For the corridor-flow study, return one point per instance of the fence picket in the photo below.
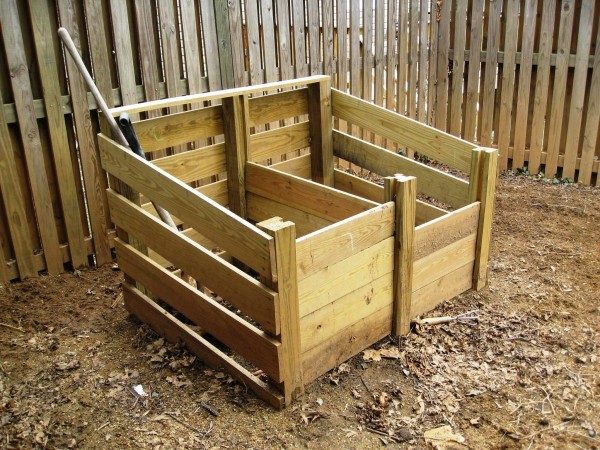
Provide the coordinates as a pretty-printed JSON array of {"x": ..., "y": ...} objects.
[
  {"x": 489, "y": 80},
  {"x": 458, "y": 67}
]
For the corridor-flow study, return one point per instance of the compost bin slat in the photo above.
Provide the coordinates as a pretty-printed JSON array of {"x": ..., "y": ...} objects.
[
  {"x": 195, "y": 164},
  {"x": 272, "y": 143}
]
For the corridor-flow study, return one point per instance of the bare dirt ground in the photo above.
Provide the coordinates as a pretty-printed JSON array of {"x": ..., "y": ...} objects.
[{"x": 526, "y": 376}]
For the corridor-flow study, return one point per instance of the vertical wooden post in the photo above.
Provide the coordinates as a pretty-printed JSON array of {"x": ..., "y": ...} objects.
[
  {"x": 403, "y": 191},
  {"x": 221, "y": 15},
  {"x": 286, "y": 285},
  {"x": 237, "y": 141},
  {"x": 321, "y": 144},
  {"x": 484, "y": 165}
]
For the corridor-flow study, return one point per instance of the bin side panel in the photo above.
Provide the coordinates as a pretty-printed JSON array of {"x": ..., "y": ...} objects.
[
  {"x": 280, "y": 141},
  {"x": 195, "y": 164}
]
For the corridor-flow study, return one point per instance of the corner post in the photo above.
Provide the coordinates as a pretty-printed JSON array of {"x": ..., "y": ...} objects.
[
  {"x": 321, "y": 143},
  {"x": 403, "y": 191},
  {"x": 482, "y": 188},
  {"x": 237, "y": 141},
  {"x": 286, "y": 285}
]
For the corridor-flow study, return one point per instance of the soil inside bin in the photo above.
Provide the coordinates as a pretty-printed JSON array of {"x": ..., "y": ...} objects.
[{"x": 526, "y": 376}]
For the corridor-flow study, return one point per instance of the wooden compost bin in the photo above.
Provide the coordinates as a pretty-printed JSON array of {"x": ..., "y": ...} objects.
[{"x": 297, "y": 265}]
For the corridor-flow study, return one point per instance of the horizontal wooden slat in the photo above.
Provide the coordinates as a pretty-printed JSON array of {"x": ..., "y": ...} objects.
[
  {"x": 346, "y": 276},
  {"x": 195, "y": 164},
  {"x": 299, "y": 166},
  {"x": 217, "y": 95},
  {"x": 237, "y": 334},
  {"x": 305, "y": 195},
  {"x": 358, "y": 186},
  {"x": 341, "y": 240},
  {"x": 440, "y": 232},
  {"x": 180, "y": 128},
  {"x": 239, "y": 289},
  {"x": 245, "y": 242},
  {"x": 426, "y": 140},
  {"x": 435, "y": 183},
  {"x": 444, "y": 288},
  {"x": 428, "y": 269},
  {"x": 274, "y": 107},
  {"x": 176, "y": 332},
  {"x": 259, "y": 208},
  {"x": 346, "y": 343},
  {"x": 278, "y": 141},
  {"x": 324, "y": 323}
]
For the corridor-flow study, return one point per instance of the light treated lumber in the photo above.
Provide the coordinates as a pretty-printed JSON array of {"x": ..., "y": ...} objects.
[
  {"x": 327, "y": 24},
  {"x": 346, "y": 276},
  {"x": 124, "y": 52},
  {"x": 314, "y": 41},
  {"x": 30, "y": 134},
  {"x": 426, "y": 140},
  {"x": 290, "y": 358},
  {"x": 260, "y": 208},
  {"x": 195, "y": 164},
  {"x": 299, "y": 38},
  {"x": 58, "y": 134},
  {"x": 345, "y": 344},
  {"x": 254, "y": 47},
  {"x": 275, "y": 142},
  {"x": 473, "y": 79},
  {"x": 217, "y": 95},
  {"x": 283, "y": 28},
  {"x": 443, "y": 37},
  {"x": 402, "y": 190},
  {"x": 424, "y": 26},
  {"x": 342, "y": 45},
  {"x": 99, "y": 33},
  {"x": 305, "y": 195},
  {"x": 483, "y": 176},
  {"x": 270, "y": 58},
  {"x": 324, "y": 323},
  {"x": 449, "y": 258},
  {"x": 299, "y": 166},
  {"x": 488, "y": 86},
  {"x": 578, "y": 90},
  {"x": 444, "y": 288},
  {"x": 458, "y": 67},
  {"x": 251, "y": 246},
  {"x": 180, "y": 128},
  {"x": 438, "y": 233},
  {"x": 320, "y": 125},
  {"x": 238, "y": 288},
  {"x": 177, "y": 332},
  {"x": 413, "y": 74},
  {"x": 442, "y": 186},
  {"x": 391, "y": 57},
  {"x": 237, "y": 41},
  {"x": 237, "y": 334},
  {"x": 344, "y": 239},
  {"x": 211, "y": 42}
]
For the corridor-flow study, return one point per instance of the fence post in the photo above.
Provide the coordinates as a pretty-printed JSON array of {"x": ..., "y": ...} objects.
[
  {"x": 402, "y": 190},
  {"x": 321, "y": 144},
  {"x": 482, "y": 187},
  {"x": 286, "y": 286}
]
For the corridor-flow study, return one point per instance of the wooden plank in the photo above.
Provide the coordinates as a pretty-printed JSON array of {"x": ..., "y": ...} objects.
[
  {"x": 578, "y": 90},
  {"x": 260, "y": 209},
  {"x": 299, "y": 166},
  {"x": 257, "y": 75},
  {"x": 211, "y": 44},
  {"x": 90, "y": 164},
  {"x": 290, "y": 359},
  {"x": 305, "y": 195},
  {"x": 391, "y": 65},
  {"x": 424, "y": 26},
  {"x": 323, "y": 324},
  {"x": 177, "y": 129},
  {"x": 433, "y": 43},
  {"x": 320, "y": 126},
  {"x": 283, "y": 39},
  {"x": 541, "y": 86},
  {"x": 239, "y": 289},
  {"x": 299, "y": 38},
  {"x": 434, "y": 266},
  {"x": 278, "y": 141},
  {"x": 355, "y": 54},
  {"x": 237, "y": 150},
  {"x": 98, "y": 31},
  {"x": 444, "y": 288},
  {"x": 328, "y": 33},
  {"x": 234, "y": 235},
  {"x": 32, "y": 146},
  {"x": 379, "y": 62},
  {"x": 237, "y": 42},
  {"x": 402, "y": 190},
  {"x": 347, "y": 276},
  {"x": 14, "y": 204},
  {"x": 559, "y": 88},
  {"x": 488, "y": 86},
  {"x": 458, "y": 67},
  {"x": 592, "y": 123},
  {"x": 195, "y": 164},
  {"x": 124, "y": 52},
  {"x": 433, "y": 236},
  {"x": 473, "y": 78},
  {"x": 147, "y": 26},
  {"x": 63, "y": 164},
  {"x": 525, "y": 69},
  {"x": 441, "y": 105},
  {"x": 445, "y": 187},
  {"x": 314, "y": 39},
  {"x": 368, "y": 57},
  {"x": 269, "y": 40},
  {"x": 413, "y": 63},
  {"x": 344, "y": 239},
  {"x": 214, "y": 318},
  {"x": 426, "y": 140},
  {"x": 283, "y": 105},
  {"x": 347, "y": 343},
  {"x": 176, "y": 332}
]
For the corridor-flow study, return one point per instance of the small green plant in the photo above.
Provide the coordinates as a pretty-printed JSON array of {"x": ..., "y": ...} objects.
[{"x": 568, "y": 180}]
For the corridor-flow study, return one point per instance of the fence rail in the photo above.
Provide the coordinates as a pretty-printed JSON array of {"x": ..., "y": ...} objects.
[{"x": 520, "y": 75}]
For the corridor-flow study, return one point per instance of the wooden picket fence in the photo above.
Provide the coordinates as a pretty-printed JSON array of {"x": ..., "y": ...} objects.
[{"x": 520, "y": 75}]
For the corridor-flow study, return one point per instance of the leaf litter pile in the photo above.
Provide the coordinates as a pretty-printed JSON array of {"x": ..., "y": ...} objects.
[{"x": 513, "y": 366}]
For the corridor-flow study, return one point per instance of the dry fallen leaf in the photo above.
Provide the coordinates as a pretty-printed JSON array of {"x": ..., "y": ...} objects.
[{"x": 443, "y": 437}]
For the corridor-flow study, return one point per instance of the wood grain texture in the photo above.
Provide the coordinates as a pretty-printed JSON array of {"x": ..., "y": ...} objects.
[
  {"x": 278, "y": 141},
  {"x": 441, "y": 118},
  {"x": 458, "y": 68},
  {"x": 298, "y": 166},
  {"x": 320, "y": 127},
  {"x": 282, "y": 105},
  {"x": 195, "y": 164},
  {"x": 488, "y": 86},
  {"x": 237, "y": 150}
]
